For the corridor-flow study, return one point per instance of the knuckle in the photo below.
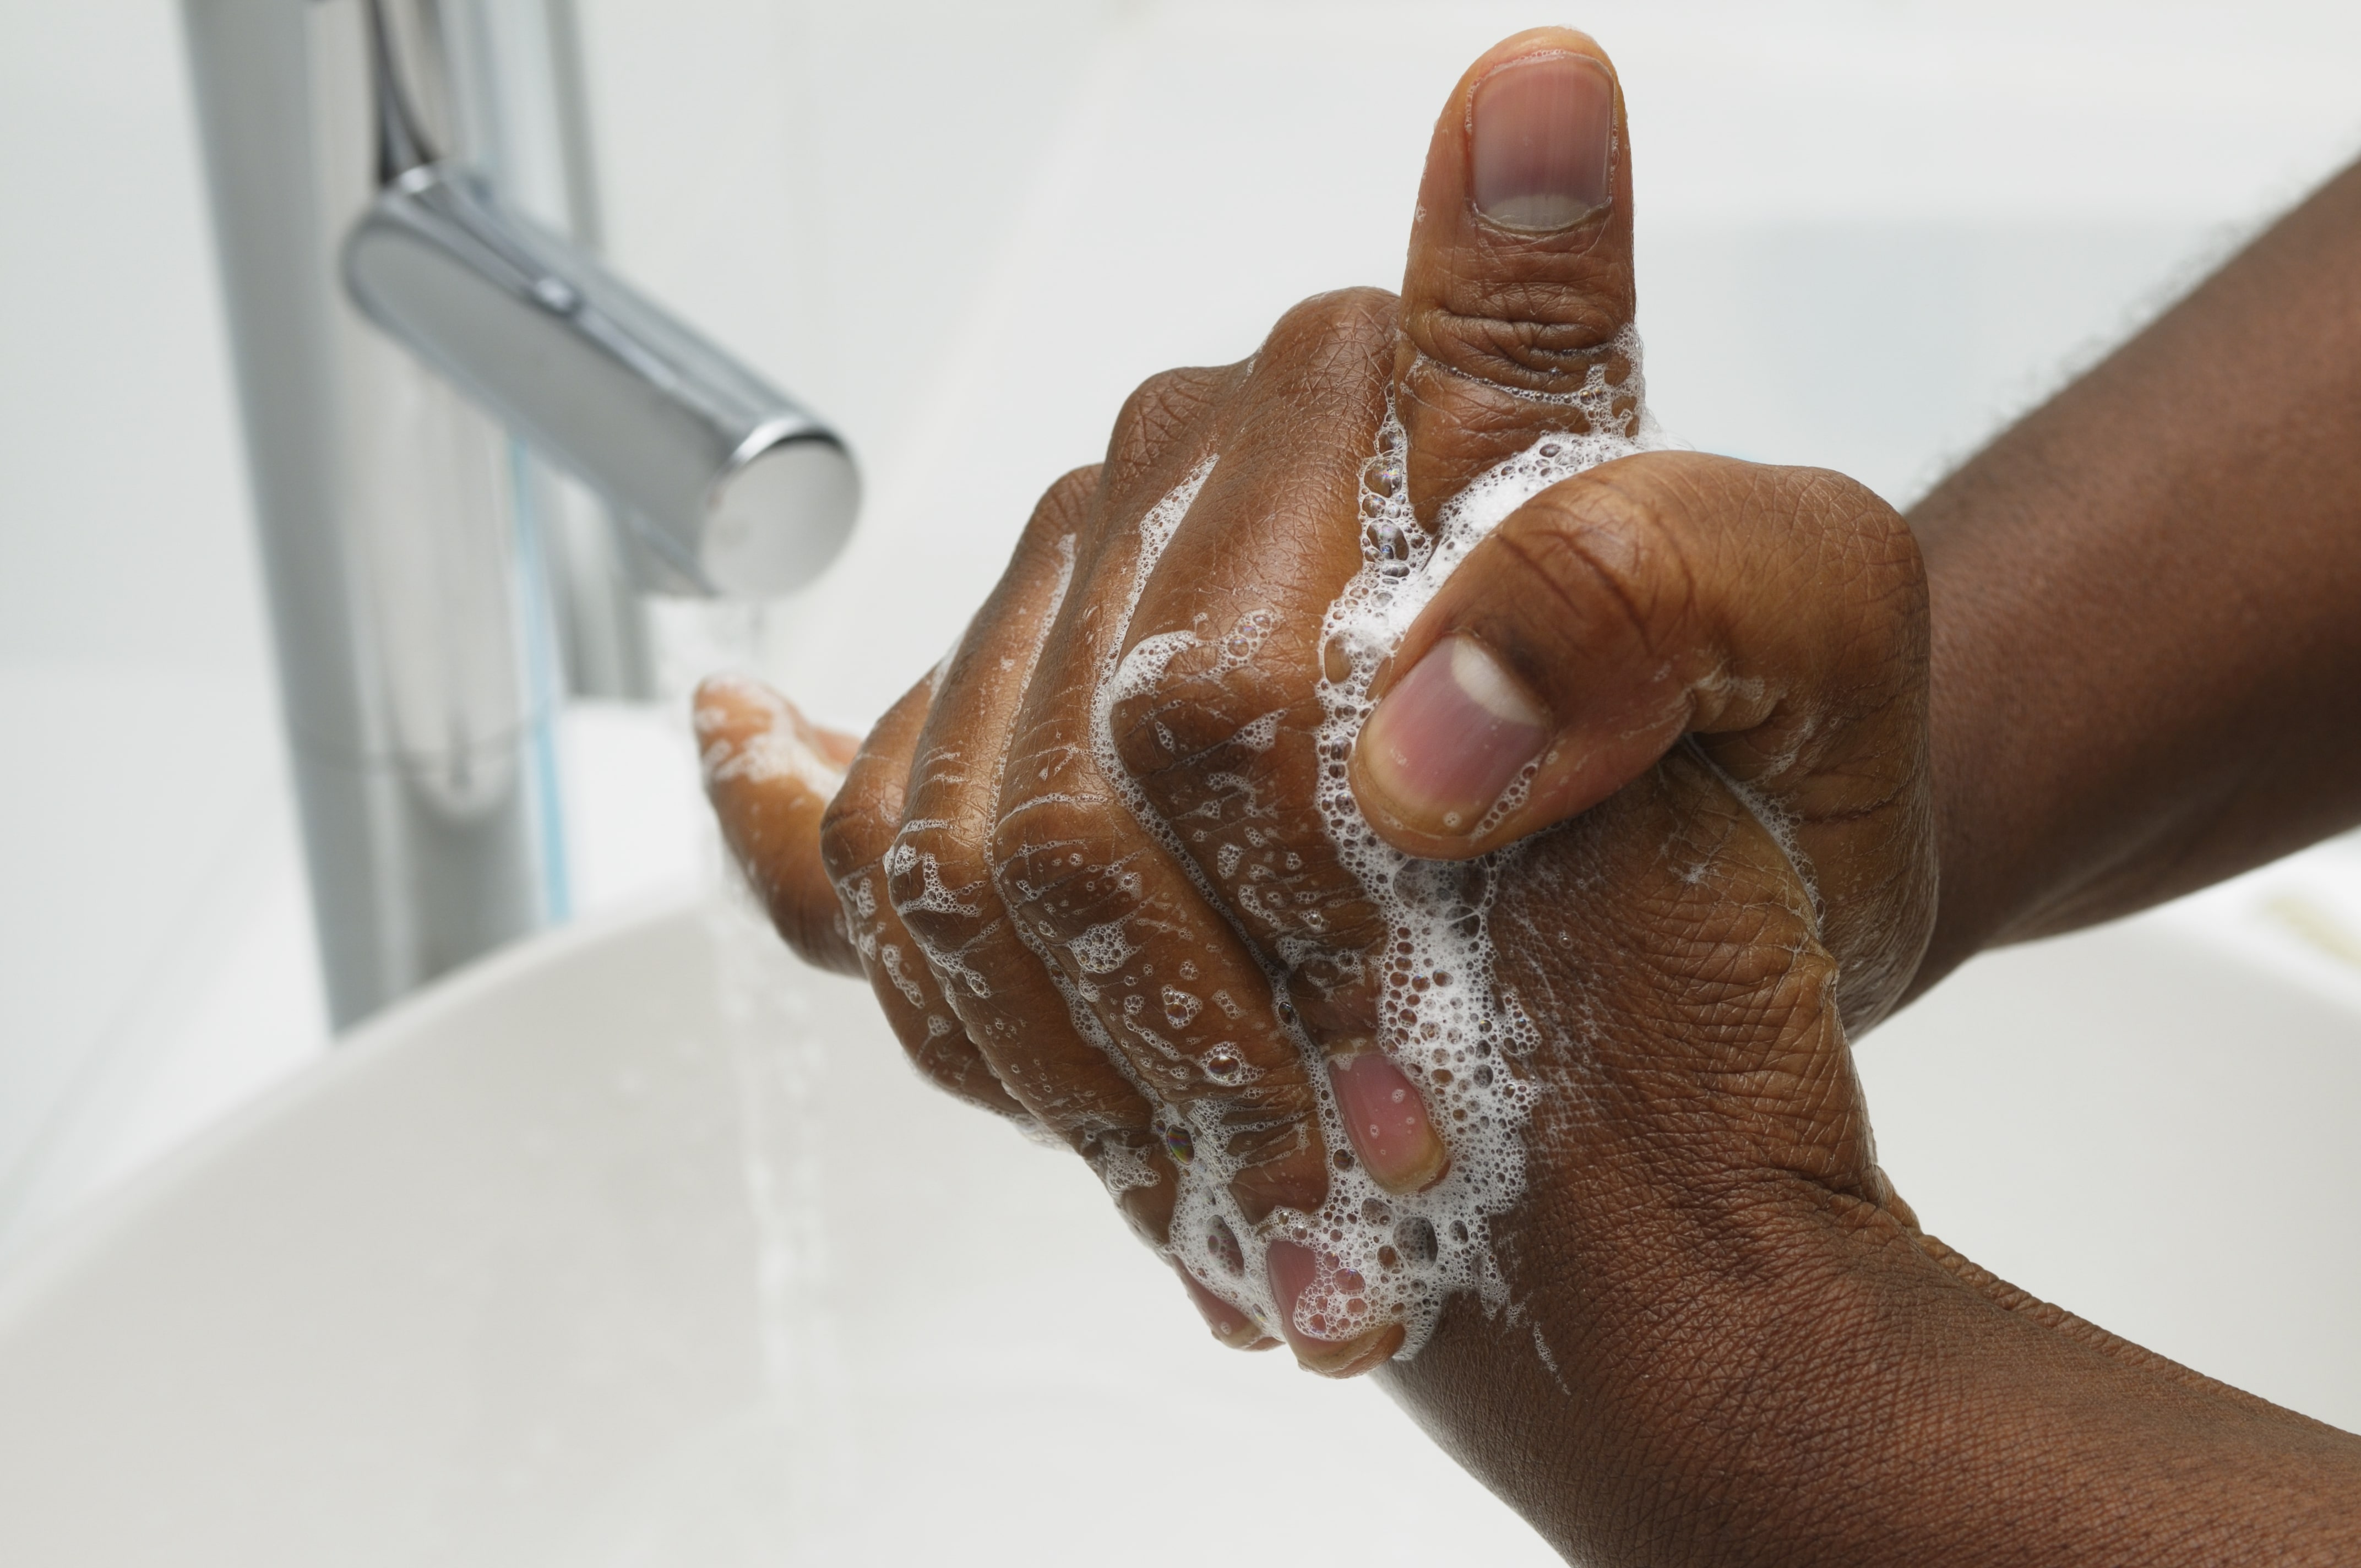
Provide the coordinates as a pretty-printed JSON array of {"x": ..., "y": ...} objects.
[
  {"x": 1189, "y": 700},
  {"x": 1879, "y": 538},
  {"x": 946, "y": 1060},
  {"x": 1268, "y": 1115},
  {"x": 1236, "y": 793},
  {"x": 1057, "y": 857},
  {"x": 1346, "y": 334},
  {"x": 859, "y": 899},
  {"x": 946, "y": 902},
  {"x": 1869, "y": 578},
  {"x": 923, "y": 1017},
  {"x": 850, "y": 851},
  {"x": 1224, "y": 750},
  {"x": 1535, "y": 333},
  {"x": 936, "y": 876},
  {"x": 856, "y": 831},
  {"x": 818, "y": 931},
  {"x": 1599, "y": 557},
  {"x": 1065, "y": 504},
  {"x": 950, "y": 1061},
  {"x": 1160, "y": 412},
  {"x": 1354, "y": 315},
  {"x": 1085, "y": 1101}
]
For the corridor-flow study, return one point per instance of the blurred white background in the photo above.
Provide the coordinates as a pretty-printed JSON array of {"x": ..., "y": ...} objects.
[{"x": 1871, "y": 231}]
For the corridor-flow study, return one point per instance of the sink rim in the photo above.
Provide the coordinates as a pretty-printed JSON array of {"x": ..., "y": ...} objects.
[{"x": 49, "y": 1259}]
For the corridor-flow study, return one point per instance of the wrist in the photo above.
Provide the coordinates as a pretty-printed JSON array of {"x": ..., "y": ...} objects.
[
  {"x": 1807, "y": 1378},
  {"x": 1717, "y": 1370}
]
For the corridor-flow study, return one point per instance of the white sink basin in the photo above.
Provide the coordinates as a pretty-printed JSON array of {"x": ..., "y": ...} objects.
[
  {"x": 2153, "y": 1125},
  {"x": 524, "y": 1274},
  {"x": 588, "y": 1257}
]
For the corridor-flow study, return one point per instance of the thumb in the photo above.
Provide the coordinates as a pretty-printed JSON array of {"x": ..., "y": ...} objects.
[
  {"x": 1776, "y": 615},
  {"x": 1519, "y": 279}
]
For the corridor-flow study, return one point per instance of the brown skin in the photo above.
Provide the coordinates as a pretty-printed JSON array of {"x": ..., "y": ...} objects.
[
  {"x": 2148, "y": 606},
  {"x": 1731, "y": 1341}
]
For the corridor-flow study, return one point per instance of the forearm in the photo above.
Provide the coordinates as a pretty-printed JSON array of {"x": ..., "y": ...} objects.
[
  {"x": 2147, "y": 606},
  {"x": 1816, "y": 1384}
]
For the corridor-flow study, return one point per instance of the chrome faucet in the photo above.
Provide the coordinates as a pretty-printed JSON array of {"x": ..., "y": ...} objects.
[{"x": 444, "y": 392}]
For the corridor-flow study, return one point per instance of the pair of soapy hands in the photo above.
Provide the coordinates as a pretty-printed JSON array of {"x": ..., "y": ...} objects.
[{"x": 1700, "y": 686}]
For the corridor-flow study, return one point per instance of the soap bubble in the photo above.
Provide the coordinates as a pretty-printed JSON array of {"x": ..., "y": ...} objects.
[{"x": 1384, "y": 1256}]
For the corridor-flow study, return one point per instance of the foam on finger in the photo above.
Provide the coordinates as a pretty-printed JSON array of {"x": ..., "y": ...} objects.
[{"x": 1383, "y": 1257}]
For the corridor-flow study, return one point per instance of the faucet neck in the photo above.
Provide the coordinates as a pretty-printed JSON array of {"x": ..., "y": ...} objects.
[{"x": 402, "y": 145}]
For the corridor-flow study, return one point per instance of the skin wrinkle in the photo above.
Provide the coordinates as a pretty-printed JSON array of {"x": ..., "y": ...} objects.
[
  {"x": 1513, "y": 407},
  {"x": 1070, "y": 1083},
  {"x": 1157, "y": 417},
  {"x": 1200, "y": 699},
  {"x": 1544, "y": 553},
  {"x": 1297, "y": 1134},
  {"x": 1739, "y": 754},
  {"x": 1252, "y": 1136},
  {"x": 1152, "y": 763},
  {"x": 1553, "y": 356},
  {"x": 856, "y": 832}
]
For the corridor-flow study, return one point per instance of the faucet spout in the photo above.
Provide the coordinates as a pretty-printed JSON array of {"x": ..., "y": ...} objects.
[
  {"x": 412, "y": 356},
  {"x": 734, "y": 486}
]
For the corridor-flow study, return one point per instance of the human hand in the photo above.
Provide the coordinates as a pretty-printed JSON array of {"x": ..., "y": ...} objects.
[
  {"x": 1690, "y": 784},
  {"x": 1143, "y": 707}
]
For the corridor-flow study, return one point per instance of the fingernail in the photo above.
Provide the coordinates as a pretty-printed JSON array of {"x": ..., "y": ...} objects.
[
  {"x": 1386, "y": 1118},
  {"x": 1232, "y": 1327},
  {"x": 1294, "y": 1268},
  {"x": 1541, "y": 133},
  {"x": 1449, "y": 738}
]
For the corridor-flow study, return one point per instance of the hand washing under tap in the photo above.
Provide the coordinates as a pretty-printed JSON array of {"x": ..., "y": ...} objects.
[{"x": 1431, "y": 849}]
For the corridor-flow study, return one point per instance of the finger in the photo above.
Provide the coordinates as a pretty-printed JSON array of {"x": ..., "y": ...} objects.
[
  {"x": 1218, "y": 713},
  {"x": 940, "y": 883},
  {"x": 1295, "y": 1272},
  {"x": 856, "y": 832},
  {"x": 1774, "y": 613},
  {"x": 1231, "y": 1325},
  {"x": 770, "y": 774},
  {"x": 1519, "y": 286},
  {"x": 1080, "y": 859}
]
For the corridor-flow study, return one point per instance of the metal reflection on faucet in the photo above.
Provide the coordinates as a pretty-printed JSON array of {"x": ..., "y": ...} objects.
[
  {"x": 407, "y": 535},
  {"x": 736, "y": 488}
]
